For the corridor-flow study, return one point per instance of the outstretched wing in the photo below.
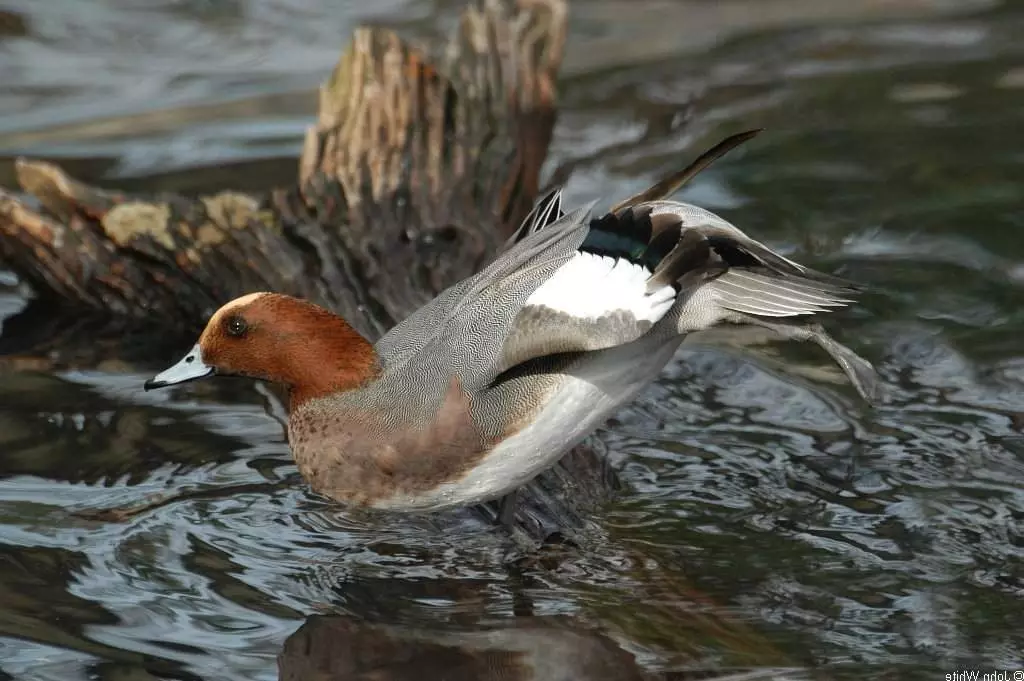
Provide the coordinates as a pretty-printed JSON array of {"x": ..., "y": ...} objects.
[
  {"x": 570, "y": 284},
  {"x": 410, "y": 335},
  {"x": 603, "y": 295},
  {"x": 477, "y": 310},
  {"x": 740, "y": 275},
  {"x": 649, "y": 257}
]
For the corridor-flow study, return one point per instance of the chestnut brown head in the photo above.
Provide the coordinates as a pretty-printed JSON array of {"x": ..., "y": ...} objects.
[{"x": 277, "y": 338}]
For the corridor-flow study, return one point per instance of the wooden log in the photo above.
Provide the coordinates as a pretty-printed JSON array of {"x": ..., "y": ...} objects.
[{"x": 410, "y": 178}]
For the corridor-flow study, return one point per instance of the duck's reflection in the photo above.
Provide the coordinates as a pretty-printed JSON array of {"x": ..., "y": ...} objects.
[{"x": 526, "y": 649}]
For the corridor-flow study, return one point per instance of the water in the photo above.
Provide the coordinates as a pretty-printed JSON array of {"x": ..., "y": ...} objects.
[{"x": 771, "y": 520}]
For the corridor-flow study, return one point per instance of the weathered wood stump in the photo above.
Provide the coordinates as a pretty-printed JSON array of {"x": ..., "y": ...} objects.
[
  {"x": 412, "y": 177},
  {"x": 409, "y": 180}
]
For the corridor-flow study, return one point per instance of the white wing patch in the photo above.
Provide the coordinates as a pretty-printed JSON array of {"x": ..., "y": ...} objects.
[{"x": 590, "y": 286}]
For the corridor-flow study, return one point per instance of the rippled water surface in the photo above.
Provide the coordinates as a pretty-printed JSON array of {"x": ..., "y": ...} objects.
[{"x": 770, "y": 520}]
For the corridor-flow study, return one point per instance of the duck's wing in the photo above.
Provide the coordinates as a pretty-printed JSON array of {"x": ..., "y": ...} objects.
[
  {"x": 751, "y": 278},
  {"x": 610, "y": 290},
  {"x": 410, "y": 336},
  {"x": 659, "y": 259},
  {"x": 547, "y": 211},
  {"x": 545, "y": 240},
  {"x": 648, "y": 256},
  {"x": 569, "y": 284},
  {"x": 744, "y": 275},
  {"x": 672, "y": 183}
]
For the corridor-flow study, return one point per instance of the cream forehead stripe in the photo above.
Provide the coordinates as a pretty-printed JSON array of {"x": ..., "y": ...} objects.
[{"x": 235, "y": 304}]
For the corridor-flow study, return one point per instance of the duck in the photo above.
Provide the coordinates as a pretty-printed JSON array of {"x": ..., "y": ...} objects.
[{"x": 495, "y": 379}]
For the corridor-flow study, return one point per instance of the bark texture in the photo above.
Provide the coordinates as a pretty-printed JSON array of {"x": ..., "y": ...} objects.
[
  {"x": 412, "y": 176},
  {"x": 409, "y": 179}
]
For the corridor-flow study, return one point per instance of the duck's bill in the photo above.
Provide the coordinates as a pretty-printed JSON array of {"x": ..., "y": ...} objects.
[{"x": 190, "y": 368}]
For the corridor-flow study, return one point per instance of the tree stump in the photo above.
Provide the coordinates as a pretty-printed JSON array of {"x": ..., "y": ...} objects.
[
  {"x": 413, "y": 175},
  {"x": 409, "y": 180}
]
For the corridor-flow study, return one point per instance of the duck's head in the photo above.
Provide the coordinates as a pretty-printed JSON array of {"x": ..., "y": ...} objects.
[{"x": 277, "y": 338}]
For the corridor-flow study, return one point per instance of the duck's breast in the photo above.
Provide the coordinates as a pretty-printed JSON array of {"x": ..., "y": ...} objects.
[{"x": 368, "y": 449}]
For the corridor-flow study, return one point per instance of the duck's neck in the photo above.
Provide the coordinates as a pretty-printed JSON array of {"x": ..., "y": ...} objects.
[{"x": 331, "y": 358}]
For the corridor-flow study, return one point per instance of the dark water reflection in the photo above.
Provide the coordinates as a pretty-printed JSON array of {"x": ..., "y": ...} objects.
[{"x": 772, "y": 521}]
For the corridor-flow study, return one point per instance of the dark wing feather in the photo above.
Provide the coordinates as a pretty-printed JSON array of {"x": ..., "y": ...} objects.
[
  {"x": 546, "y": 211},
  {"x": 674, "y": 182},
  {"x": 685, "y": 247}
]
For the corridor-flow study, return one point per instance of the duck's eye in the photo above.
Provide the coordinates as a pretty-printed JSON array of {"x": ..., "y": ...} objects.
[{"x": 236, "y": 326}]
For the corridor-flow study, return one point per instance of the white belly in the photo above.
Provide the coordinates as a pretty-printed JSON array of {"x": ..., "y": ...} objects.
[{"x": 581, "y": 404}]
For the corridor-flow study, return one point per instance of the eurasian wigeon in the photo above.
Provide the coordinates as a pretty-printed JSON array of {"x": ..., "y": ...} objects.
[{"x": 495, "y": 379}]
